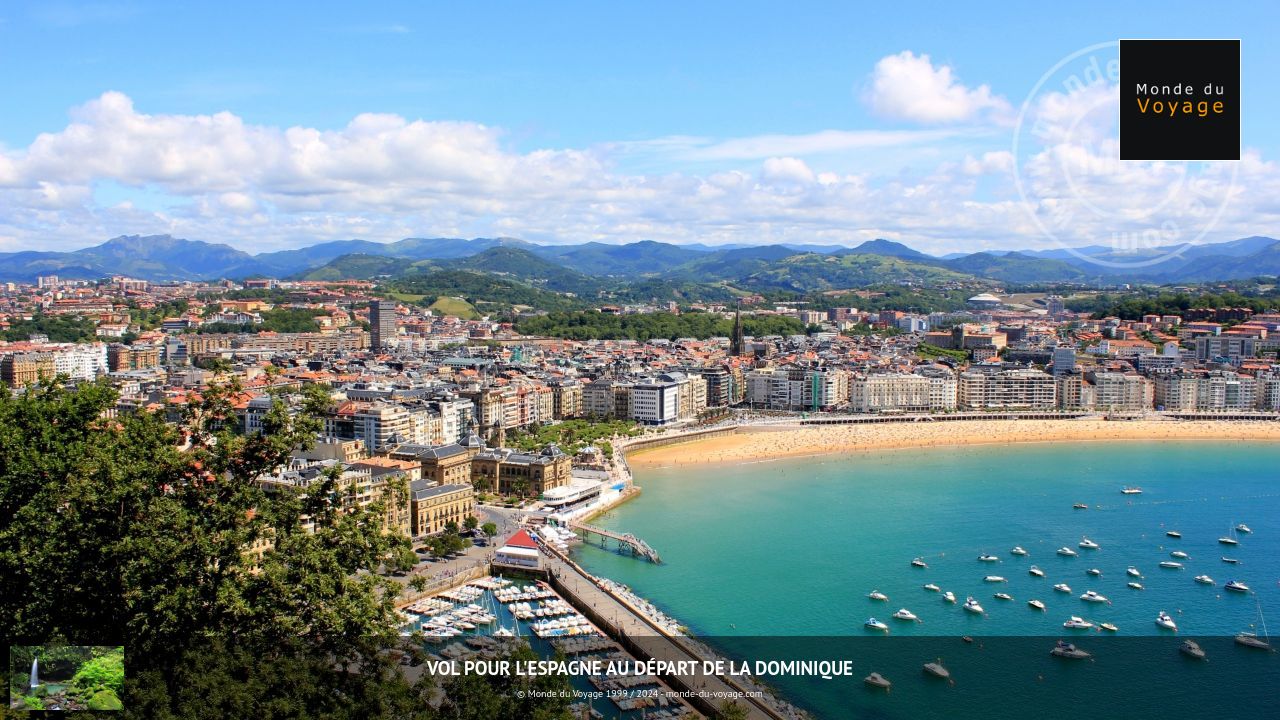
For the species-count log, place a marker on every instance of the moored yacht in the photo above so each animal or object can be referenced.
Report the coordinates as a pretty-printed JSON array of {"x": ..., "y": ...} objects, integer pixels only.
[
  {"x": 1228, "y": 540},
  {"x": 931, "y": 587},
  {"x": 875, "y": 624},
  {"x": 1036, "y": 571},
  {"x": 1088, "y": 544},
  {"x": 1204, "y": 579},
  {"x": 1230, "y": 561},
  {"x": 1091, "y": 596},
  {"x": 1236, "y": 586},
  {"x": 1067, "y": 552},
  {"x": 1036, "y": 604},
  {"x": 1179, "y": 554},
  {"x": 949, "y": 596},
  {"x": 919, "y": 562},
  {"x": 1243, "y": 528},
  {"x": 1191, "y": 649},
  {"x": 1080, "y": 506},
  {"x": 877, "y": 680},
  {"x": 971, "y": 605},
  {"x": 937, "y": 670},
  {"x": 905, "y": 614},
  {"x": 1109, "y": 627},
  {"x": 1173, "y": 534},
  {"x": 1135, "y": 586},
  {"x": 1166, "y": 622},
  {"x": 1077, "y": 623},
  {"x": 1018, "y": 550},
  {"x": 1065, "y": 649},
  {"x": 1095, "y": 572},
  {"x": 994, "y": 579},
  {"x": 1251, "y": 640},
  {"x": 1062, "y": 588},
  {"x": 1133, "y": 572},
  {"x": 877, "y": 595},
  {"x": 1171, "y": 565},
  {"x": 988, "y": 558},
  {"x": 1003, "y": 596},
  {"x": 1128, "y": 490}
]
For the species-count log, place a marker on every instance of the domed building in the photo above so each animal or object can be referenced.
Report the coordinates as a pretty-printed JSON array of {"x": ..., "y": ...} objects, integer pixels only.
[{"x": 985, "y": 301}]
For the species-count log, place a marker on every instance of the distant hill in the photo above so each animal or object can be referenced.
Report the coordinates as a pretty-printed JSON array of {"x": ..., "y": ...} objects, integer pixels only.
[
  {"x": 632, "y": 269},
  {"x": 1017, "y": 268}
]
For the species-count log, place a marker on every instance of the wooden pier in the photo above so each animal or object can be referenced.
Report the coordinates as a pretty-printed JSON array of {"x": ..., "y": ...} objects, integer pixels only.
[{"x": 638, "y": 547}]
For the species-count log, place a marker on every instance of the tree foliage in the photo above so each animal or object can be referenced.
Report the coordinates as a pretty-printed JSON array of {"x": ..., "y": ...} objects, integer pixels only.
[
  {"x": 649, "y": 326},
  {"x": 128, "y": 531}
]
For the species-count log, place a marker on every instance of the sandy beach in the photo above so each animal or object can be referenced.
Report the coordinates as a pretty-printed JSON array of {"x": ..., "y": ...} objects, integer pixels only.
[{"x": 754, "y": 444}]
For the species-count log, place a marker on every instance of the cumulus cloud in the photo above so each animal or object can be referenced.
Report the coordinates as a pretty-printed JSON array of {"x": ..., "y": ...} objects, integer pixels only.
[
  {"x": 909, "y": 87},
  {"x": 382, "y": 177}
]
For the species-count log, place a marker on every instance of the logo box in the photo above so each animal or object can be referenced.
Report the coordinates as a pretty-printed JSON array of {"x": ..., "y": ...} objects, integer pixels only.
[{"x": 1180, "y": 99}]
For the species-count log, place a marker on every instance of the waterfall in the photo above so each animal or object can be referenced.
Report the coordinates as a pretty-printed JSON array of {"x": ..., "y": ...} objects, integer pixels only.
[{"x": 35, "y": 673}]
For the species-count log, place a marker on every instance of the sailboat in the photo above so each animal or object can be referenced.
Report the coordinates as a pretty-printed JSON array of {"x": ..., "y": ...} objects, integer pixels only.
[{"x": 1251, "y": 639}]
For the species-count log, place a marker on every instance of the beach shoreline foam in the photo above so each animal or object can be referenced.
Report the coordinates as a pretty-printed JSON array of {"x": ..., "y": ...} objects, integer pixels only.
[{"x": 752, "y": 444}]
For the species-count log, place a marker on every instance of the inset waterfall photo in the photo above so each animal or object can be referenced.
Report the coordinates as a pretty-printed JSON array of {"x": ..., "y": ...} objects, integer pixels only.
[{"x": 65, "y": 677}]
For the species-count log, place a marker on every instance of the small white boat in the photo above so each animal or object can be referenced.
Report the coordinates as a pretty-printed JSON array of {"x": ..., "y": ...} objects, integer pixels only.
[
  {"x": 1065, "y": 649},
  {"x": 1192, "y": 649},
  {"x": 1095, "y": 572},
  {"x": 877, "y": 595},
  {"x": 905, "y": 614},
  {"x": 931, "y": 587},
  {"x": 1171, "y": 565},
  {"x": 972, "y": 606},
  {"x": 1036, "y": 571},
  {"x": 988, "y": 558},
  {"x": 935, "y": 669},
  {"x": 1135, "y": 586},
  {"x": 1230, "y": 561},
  {"x": 949, "y": 596},
  {"x": 1228, "y": 541},
  {"x": 1134, "y": 490},
  {"x": 919, "y": 562},
  {"x": 1067, "y": 552},
  {"x": 1036, "y": 604},
  {"x": 1080, "y": 506},
  {"x": 1062, "y": 588},
  {"x": 877, "y": 680},
  {"x": 1236, "y": 586},
  {"x": 1088, "y": 544},
  {"x": 1166, "y": 622},
  {"x": 1003, "y": 596},
  {"x": 875, "y": 624},
  {"x": 1133, "y": 572},
  {"x": 1091, "y": 596},
  {"x": 1243, "y": 528},
  {"x": 1204, "y": 580},
  {"x": 1077, "y": 623},
  {"x": 994, "y": 579},
  {"x": 1179, "y": 554},
  {"x": 1173, "y": 534},
  {"x": 1109, "y": 627},
  {"x": 1018, "y": 550}
]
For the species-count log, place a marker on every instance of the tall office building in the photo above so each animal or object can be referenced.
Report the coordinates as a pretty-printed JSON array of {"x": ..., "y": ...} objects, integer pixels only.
[{"x": 382, "y": 323}]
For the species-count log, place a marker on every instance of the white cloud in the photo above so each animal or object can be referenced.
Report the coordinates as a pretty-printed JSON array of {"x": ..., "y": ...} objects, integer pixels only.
[
  {"x": 383, "y": 177},
  {"x": 907, "y": 86}
]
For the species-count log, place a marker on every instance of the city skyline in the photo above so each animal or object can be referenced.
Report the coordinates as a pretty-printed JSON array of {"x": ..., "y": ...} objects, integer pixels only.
[{"x": 428, "y": 124}]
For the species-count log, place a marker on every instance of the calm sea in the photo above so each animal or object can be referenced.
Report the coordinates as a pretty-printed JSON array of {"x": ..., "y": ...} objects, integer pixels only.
[{"x": 792, "y": 547}]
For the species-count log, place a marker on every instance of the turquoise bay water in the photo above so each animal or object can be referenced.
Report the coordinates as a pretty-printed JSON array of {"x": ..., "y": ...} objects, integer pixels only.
[{"x": 793, "y": 547}]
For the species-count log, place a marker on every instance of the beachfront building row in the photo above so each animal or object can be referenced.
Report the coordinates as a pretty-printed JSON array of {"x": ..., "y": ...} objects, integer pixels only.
[
  {"x": 657, "y": 400},
  {"x": 792, "y": 388},
  {"x": 994, "y": 388},
  {"x": 926, "y": 390}
]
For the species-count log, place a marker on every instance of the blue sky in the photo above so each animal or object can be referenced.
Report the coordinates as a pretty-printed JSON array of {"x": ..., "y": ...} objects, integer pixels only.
[{"x": 622, "y": 109}]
